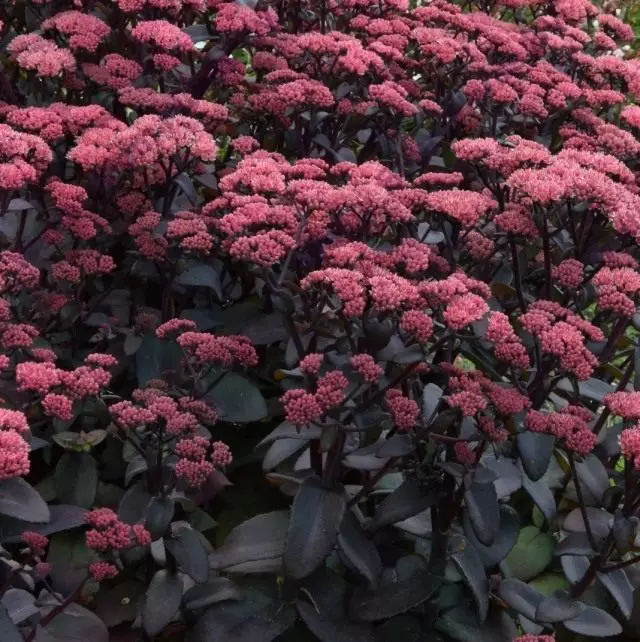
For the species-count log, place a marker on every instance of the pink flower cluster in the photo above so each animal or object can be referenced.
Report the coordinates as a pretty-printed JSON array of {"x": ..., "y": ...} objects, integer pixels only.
[
  {"x": 508, "y": 346},
  {"x": 562, "y": 333},
  {"x": 193, "y": 467},
  {"x": 569, "y": 424},
  {"x": 108, "y": 533},
  {"x": 302, "y": 407},
  {"x": 36, "y": 542},
  {"x": 618, "y": 289}
]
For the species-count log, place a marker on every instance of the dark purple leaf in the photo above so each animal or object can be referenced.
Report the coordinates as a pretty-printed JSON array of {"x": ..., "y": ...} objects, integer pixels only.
[
  {"x": 535, "y": 452},
  {"x": 620, "y": 588},
  {"x": 18, "y": 499},
  {"x": 409, "y": 499},
  {"x": 159, "y": 515},
  {"x": 237, "y": 400},
  {"x": 594, "y": 622},
  {"x": 202, "y": 275},
  {"x": 214, "y": 590},
  {"x": 557, "y": 609},
  {"x": 259, "y": 617},
  {"x": 9, "y": 632},
  {"x": 260, "y": 538},
  {"x": 468, "y": 562},
  {"x": 520, "y": 597},
  {"x": 507, "y": 536},
  {"x": 76, "y": 624},
  {"x": 20, "y": 605},
  {"x": 541, "y": 495},
  {"x": 162, "y": 601},
  {"x": 483, "y": 510},
  {"x": 396, "y": 446},
  {"x": 134, "y": 505},
  {"x": 358, "y": 549},
  {"x": 316, "y": 517},
  {"x": 190, "y": 553},
  {"x": 76, "y": 479},
  {"x": 119, "y": 603},
  {"x": 400, "y": 589},
  {"x": 574, "y": 544}
]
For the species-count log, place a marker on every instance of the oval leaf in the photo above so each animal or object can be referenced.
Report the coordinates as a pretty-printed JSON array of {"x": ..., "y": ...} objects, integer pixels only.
[
  {"x": 468, "y": 562},
  {"x": 161, "y": 602},
  {"x": 406, "y": 586},
  {"x": 504, "y": 541},
  {"x": 595, "y": 623},
  {"x": 316, "y": 517},
  {"x": 20, "y": 500},
  {"x": 189, "y": 551},
  {"x": 76, "y": 479},
  {"x": 237, "y": 400},
  {"x": 9, "y": 632},
  {"x": 484, "y": 512},
  {"x": 535, "y": 452},
  {"x": 260, "y": 538},
  {"x": 358, "y": 549}
]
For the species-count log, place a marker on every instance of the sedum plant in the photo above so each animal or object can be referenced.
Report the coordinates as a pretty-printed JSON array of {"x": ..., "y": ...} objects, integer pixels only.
[{"x": 318, "y": 320}]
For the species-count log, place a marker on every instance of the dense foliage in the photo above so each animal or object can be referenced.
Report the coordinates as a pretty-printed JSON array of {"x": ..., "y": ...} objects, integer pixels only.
[{"x": 318, "y": 320}]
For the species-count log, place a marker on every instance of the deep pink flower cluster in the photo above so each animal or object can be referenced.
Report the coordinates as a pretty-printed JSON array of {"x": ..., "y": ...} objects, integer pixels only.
[
  {"x": 108, "y": 533},
  {"x": 82, "y": 30},
  {"x": 569, "y": 424},
  {"x": 36, "y": 542},
  {"x": 404, "y": 411},
  {"x": 507, "y": 345},
  {"x": 563, "y": 334}
]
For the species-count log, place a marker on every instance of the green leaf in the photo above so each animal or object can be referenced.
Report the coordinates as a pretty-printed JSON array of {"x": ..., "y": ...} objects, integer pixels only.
[
  {"x": 316, "y": 517},
  {"x": 76, "y": 479},
  {"x": 162, "y": 602},
  {"x": 20, "y": 500},
  {"x": 237, "y": 400},
  {"x": 531, "y": 554}
]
